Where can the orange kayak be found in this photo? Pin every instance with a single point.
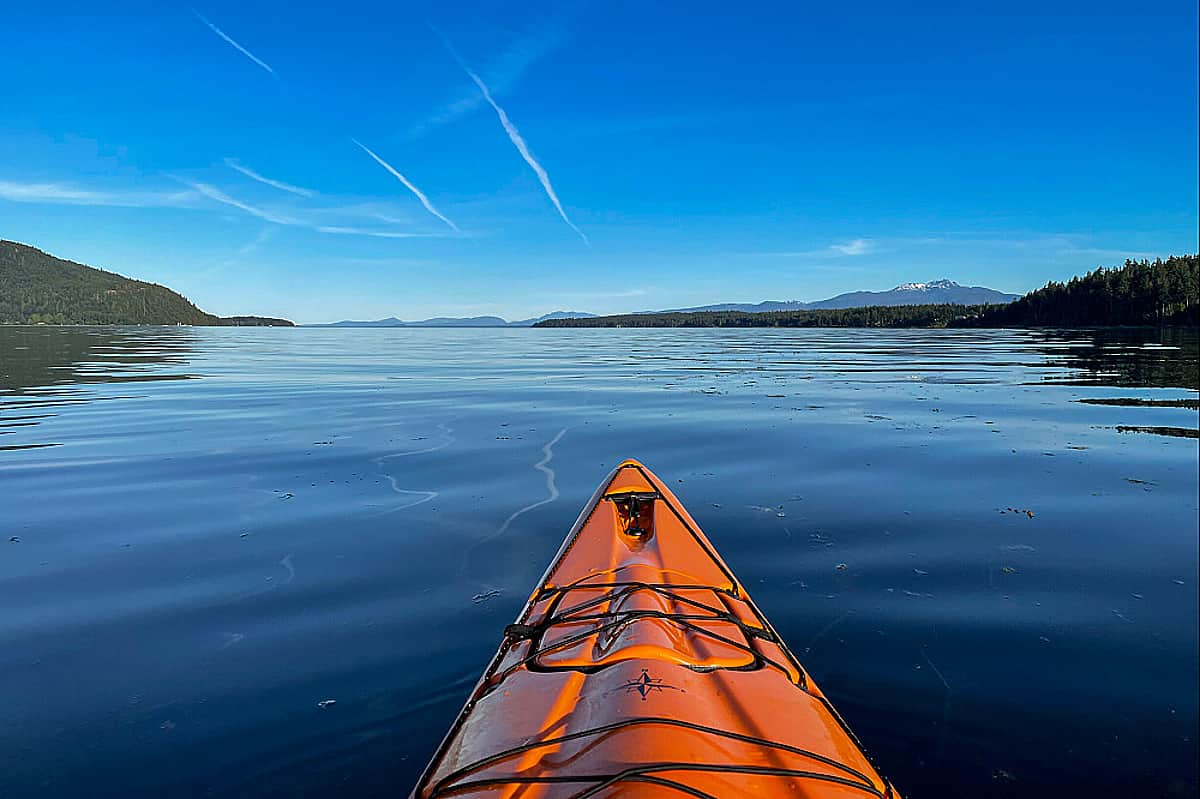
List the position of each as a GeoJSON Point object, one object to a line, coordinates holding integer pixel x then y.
{"type": "Point", "coordinates": [641, 668]}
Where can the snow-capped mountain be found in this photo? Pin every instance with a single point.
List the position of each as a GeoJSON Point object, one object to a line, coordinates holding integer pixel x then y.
{"type": "Point", "coordinates": [933, 284]}
{"type": "Point", "coordinates": [927, 293]}
{"type": "Point", "coordinates": [932, 292]}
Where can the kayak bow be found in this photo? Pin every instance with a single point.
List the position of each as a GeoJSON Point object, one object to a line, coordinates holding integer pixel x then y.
{"type": "Point", "coordinates": [641, 668]}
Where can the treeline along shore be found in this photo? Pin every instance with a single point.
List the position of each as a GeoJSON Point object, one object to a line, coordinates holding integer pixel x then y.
{"type": "Point", "coordinates": [1159, 292]}
{"type": "Point", "coordinates": [38, 288]}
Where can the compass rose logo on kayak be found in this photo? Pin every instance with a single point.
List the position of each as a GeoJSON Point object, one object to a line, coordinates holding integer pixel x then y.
{"type": "Point", "coordinates": [645, 685]}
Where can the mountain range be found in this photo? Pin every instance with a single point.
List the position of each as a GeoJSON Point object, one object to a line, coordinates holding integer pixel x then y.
{"type": "Point", "coordinates": [933, 292]}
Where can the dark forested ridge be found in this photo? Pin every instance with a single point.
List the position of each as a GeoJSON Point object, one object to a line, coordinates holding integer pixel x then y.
{"type": "Point", "coordinates": [37, 288]}
{"type": "Point", "coordinates": [1138, 293]}
{"type": "Point", "coordinates": [870, 316]}
{"type": "Point", "coordinates": [256, 321]}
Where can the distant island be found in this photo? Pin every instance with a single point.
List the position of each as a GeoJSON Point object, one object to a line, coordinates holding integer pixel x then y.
{"type": "Point", "coordinates": [255, 321]}
{"type": "Point", "coordinates": [1138, 293]}
{"type": "Point", "coordinates": [37, 288]}
{"type": "Point", "coordinates": [459, 321]}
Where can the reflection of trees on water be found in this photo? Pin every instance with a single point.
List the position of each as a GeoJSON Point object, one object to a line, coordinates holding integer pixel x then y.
{"type": "Point", "coordinates": [1124, 357]}
{"type": "Point", "coordinates": [52, 361]}
{"type": "Point", "coordinates": [42, 368]}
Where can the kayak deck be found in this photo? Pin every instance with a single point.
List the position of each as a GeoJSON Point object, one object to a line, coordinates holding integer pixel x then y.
{"type": "Point", "coordinates": [641, 668]}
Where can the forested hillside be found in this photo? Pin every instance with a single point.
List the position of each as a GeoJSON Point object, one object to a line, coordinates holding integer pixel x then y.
{"type": "Point", "coordinates": [1138, 293]}
{"type": "Point", "coordinates": [37, 288]}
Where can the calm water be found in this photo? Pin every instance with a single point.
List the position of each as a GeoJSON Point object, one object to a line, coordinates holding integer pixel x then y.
{"type": "Point", "coordinates": [206, 533]}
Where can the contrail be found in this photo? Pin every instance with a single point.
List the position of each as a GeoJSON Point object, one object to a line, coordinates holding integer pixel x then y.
{"type": "Point", "coordinates": [505, 72]}
{"type": "Point", "coordinates": [263, 236]}
{"type": "Point", "coordinates": [256, 242]}
{"type": "Point", "coordinates": [213, 193]}
{"type": "Point", "coordinates": [514, 135]}
{"type": "Point", "coordinates": [420, 195]}
{"type": "Point", "coordinates": [278, 184]}
{"type": "Point", "coordinates": [234, 44]}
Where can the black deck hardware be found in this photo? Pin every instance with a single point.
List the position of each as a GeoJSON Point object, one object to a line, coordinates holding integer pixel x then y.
{"type": "Point", "coordinates": [631, 505]}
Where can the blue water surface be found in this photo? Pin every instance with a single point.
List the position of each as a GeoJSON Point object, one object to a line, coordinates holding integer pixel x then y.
{"type": "Point", "coordinates": [206, 535]}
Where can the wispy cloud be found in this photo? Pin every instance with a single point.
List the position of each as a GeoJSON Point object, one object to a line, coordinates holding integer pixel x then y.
{"type": "Point", "coordinates": [278, 184]}
{"type": "Point", "coordinates": [390, 219]}
{"type": "Point", "coordinates": [572, 296]}
{"type": "Point", "coordinates": [354, 219]}
{"type": "Point", "coordinates": [349, 211]}
{"type": "Point", "coordinates": [65, 194]}
{"type": "Point", "coordinates": [234, 44]}
{"type": "Point", "coordinates": [836, 250]}
{"type": "Point", "coordinates": [503, 74]}
{"type": "Point", "coordinates": [408, 184]}
{"type": "Point", "coordinates": [514, 135]}
{"type": "Point", "coordinates": [213, 193]}
{"type": "Point", "coordinates": [1108, 254]}
{"type": "Point", "coordinates": [338, 260]}
{"type": "Point", "coordinates": [1068, 246]}
{"type": "Point", "coordinates": [381, 234]}
{"type": "Point", "coordinates": [854, 247]}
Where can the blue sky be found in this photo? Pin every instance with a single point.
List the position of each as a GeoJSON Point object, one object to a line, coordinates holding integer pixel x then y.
{"type": "Point", "coordinates": [691, 152]}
